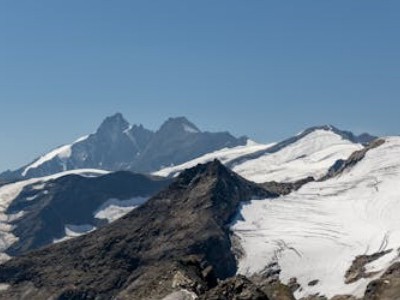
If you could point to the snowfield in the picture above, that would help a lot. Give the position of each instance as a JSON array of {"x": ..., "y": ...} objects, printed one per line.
[
  {"x": 225, "y": 155},
  {"x": 312, "y": 155},
  {"x": 316, "y": 232}
]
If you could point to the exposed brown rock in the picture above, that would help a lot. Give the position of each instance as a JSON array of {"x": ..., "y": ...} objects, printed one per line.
[
  {"x": 236, "y": 288},
  {"x": 285, "y": 188},
  {"x": 344, "y": 297},
  {"x": 387, "y": 287},
  {"x": 358, "y": 271}
]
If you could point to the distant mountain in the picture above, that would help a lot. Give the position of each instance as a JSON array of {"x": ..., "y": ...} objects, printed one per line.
[
  {"x": 308, "y": 154},
  {"x": 178, "y": 141},
  {"x": 117, "y": 145},
  {"x": 41, "y": 211}
]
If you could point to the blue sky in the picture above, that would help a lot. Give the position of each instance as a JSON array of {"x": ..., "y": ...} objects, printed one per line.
[{"x": 266, "y": 69}]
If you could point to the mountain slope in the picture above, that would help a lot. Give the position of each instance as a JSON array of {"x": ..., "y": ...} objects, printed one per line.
[
  {"x": 181, "y": 235},
  {"x": 333, "y": 236},
  {"x": 41, "y": 211},
  {"x": 225, "y": 155},
  {"x": 309, "y": 154},
  {"x": 117, "y": 145}
]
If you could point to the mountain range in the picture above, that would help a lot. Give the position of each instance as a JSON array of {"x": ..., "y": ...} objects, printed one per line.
[
  {"x": 118, "y": 145},
  {"x": 313, "y": 217}
]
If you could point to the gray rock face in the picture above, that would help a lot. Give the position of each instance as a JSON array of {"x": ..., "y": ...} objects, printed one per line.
[
  {"x": 113, "y": 147},
  {"x": 116, "y": 145},
  {"x": 178, "y": 141}
]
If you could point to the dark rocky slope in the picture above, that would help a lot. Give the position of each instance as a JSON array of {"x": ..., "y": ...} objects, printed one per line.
[
  {"x": 178, "y": 239},
  {"x": 71, "y": 200}
]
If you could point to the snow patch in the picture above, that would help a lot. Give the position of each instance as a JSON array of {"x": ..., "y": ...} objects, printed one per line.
[
  {"x": 31, "y": 198},
  {"x": 190, "y": 129},
  {"x": 126, "y": 131},
  {"x": 72, "y": 231},
  {"x": 114, "y": 209}
]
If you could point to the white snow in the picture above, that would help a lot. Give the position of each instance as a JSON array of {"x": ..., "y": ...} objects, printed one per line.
[
  {"x": 316, "y": 232},
  {"x": 4, "y": 287},
  {"x": 225, "y": 155},
  {"x": 114, "y": 209},
  {"x": 72, "y": 231},
  {"x": 63, "y": 153},
  {"x": 190, "y": 129},
  {"x": 9, "y": 192},
  {"x": 312, "y": 156},
  {"x": 126, "y": 131},
  {"x": 31, "y": 198}
]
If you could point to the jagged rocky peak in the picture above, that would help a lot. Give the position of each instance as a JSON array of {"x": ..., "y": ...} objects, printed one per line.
[
  {"x": 179, "y": 124},
  {"x": 114, "y": 123},
  {"x": 211, "y": 169}
]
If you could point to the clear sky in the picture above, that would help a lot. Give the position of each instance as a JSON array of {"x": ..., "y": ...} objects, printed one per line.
[{"x": 266, "y": 69}]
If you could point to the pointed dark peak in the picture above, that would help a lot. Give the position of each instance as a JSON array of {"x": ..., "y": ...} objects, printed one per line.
[
  {"x": 220, "y": 178},
  {"x": 211, "y": 169},
  {"x": 116, "y": 122},
  {"x": 179, "y": 124}
]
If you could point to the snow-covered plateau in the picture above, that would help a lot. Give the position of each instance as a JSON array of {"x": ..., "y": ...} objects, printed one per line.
[
  {"x": 315, "y": 233},
  {"x": 311, "y": 155}
]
